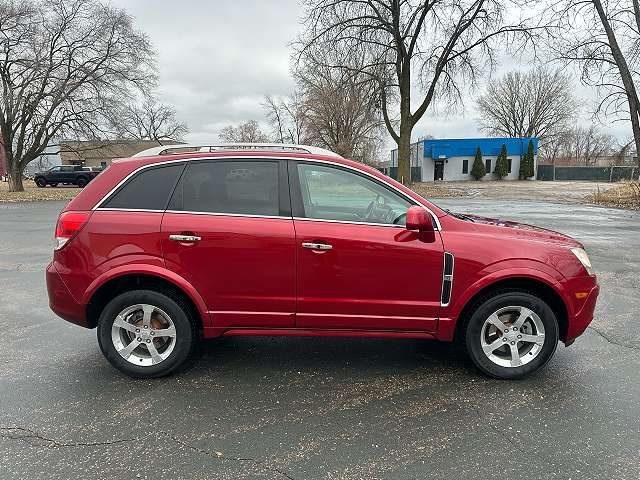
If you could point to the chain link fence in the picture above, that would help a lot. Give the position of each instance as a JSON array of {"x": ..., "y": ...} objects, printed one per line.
[{"x": 599, "y": 174}]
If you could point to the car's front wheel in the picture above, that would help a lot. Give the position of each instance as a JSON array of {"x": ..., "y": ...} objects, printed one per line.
[
  {"x": 146, "y": 334},
  {"x": 511, "y": 334},
  {"x": 41, "y": 182}
]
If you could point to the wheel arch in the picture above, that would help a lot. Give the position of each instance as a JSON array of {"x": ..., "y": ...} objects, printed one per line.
[
  {"x": 110, "y": 288},
  {"x": 536, "y": 286}
]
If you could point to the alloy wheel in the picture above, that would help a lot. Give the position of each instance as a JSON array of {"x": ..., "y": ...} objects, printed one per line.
[
  {"x": 512, "y": 336},
  {"x": 143, "y": 334}
]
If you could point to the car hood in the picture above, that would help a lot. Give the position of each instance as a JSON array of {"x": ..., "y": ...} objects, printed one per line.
[{"x": 522, "y": 231}]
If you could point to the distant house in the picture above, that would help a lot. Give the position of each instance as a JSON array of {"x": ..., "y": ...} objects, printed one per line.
[
  {"x": 100, "y": 153},
  {"x": 75, "y": 152},
  {"x": 452, "y": 159}
]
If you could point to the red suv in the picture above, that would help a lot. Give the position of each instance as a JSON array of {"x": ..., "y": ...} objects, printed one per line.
[{"x": 165, "y": 248}]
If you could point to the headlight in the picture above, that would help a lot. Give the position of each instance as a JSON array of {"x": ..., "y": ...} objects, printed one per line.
[{"x": 584, "y": 259}]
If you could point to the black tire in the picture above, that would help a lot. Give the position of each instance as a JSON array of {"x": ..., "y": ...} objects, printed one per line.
[
  {"x": 41, "y": 182},
  {"x": 484, "y": 308},
  {"x": 185, "y": 340},
  {"x": 82, "y": 182}
]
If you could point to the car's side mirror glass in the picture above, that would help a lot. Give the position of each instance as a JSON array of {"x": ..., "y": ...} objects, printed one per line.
[{"x": 419, "y": 219}]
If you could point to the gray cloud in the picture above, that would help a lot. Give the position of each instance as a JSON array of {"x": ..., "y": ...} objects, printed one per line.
[{"x": 218, "y": 58}]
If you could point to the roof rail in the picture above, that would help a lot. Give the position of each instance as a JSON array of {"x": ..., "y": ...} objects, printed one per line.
[{"x": 184, "y": 148}]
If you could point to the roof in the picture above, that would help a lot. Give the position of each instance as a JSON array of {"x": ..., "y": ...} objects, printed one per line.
[{"x": 466, "y": 147}]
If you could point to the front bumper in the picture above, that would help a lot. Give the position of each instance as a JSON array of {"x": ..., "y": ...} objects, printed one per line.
[
  {"x": 583, "y": 312},
  {"x": 62, "y": 302}
]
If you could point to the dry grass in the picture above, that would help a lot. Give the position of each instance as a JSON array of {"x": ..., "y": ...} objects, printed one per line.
[
  {"x": 625, "y": 195},
  {"x": 435, "y": 190},
  {"x": 34, "y": 194}
]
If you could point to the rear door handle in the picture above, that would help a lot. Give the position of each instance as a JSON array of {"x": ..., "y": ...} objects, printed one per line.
[
  {"x": 316, "y": 246},
  {"x": 184, "y": 238}
]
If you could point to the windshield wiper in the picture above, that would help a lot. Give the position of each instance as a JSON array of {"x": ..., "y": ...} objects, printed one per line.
[{"x": 461, "y": 216}]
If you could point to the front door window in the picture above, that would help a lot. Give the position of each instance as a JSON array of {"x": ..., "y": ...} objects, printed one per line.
[{"x": 330, "y": 193}]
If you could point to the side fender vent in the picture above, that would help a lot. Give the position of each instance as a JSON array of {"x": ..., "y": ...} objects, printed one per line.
[{"x": 447, "y": 279}]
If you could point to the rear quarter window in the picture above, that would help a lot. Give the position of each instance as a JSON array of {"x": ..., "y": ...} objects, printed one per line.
[{"x": 147, "y": 190}]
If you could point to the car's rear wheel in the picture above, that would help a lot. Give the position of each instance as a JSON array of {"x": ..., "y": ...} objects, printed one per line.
[
  {"x": 82, "y": 182},
  {"x": 511, "y": 334},
  {"x": 146, "y": 334},
  {"x": 41, "y": 182}
]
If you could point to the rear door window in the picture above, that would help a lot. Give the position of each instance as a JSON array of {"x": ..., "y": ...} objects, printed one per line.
[
  {"x": 147, "y": 190},
  {"x": 234, "y": 187}
]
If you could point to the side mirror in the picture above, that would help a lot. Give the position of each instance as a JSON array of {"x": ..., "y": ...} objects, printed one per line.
[{"x": 418, "y": 218}]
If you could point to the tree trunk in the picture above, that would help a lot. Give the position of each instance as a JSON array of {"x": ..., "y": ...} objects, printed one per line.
[
  {"x": 406, "y": 127},
  {"x": 404, "y": 155},
  {"x": 15, "y": 177},
  {"x": 625, "y": 75},
  {"x": 634, "y": 110}
]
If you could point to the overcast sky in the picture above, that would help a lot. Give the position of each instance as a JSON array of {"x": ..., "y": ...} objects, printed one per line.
[{"x": 218, "y": 58}]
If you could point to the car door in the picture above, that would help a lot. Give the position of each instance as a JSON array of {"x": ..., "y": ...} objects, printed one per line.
[
  {"x": 228, "y": 230},
  {"x": 358, "y": 267},
  {"x": 66, "y": 174},
  {"x": 54, "y": 174}
]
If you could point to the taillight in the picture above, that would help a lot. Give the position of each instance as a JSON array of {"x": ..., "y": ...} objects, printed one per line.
[{"x": 69, "y": 224}]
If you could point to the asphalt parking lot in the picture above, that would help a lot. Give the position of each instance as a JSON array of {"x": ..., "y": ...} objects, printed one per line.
[{"x": 323, "y": 408}]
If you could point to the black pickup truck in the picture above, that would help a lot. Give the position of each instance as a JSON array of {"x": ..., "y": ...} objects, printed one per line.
[{"x": 67, "y": 175}]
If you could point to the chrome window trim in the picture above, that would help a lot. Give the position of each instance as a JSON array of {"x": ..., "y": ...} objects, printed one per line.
[
  {"x": 437, "y": 224},
  {"x": 223, "y": 214},
  {"x": 247, "y": 215},
  {"x": 349, "y": 222},
  {"x": 147, "y": 210}
]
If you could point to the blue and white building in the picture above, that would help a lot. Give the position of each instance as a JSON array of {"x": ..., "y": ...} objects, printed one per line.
[{"x": 452, "y": 158}]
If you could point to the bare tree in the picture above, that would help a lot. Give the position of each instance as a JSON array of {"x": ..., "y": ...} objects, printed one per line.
[
  {"x": 247, "y": 132},
  {"x": 332, "y": 108},
  {"x": 288, "y": 118},
  {"x": 537, "y": 103},
  {"x": 150, "y": 120},
  {"x": 580, "y": 146},
  {"x": 64, "y": 64},
  {"x": 341, "y": 106},
  {"x": 603, "y": 38},
  {"x": 445, "y": 44}
]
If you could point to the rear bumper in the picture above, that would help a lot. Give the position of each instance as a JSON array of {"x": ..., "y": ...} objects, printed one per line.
[
  {"x": 62, "y": 302},
  {"x": 583, "y": 315}
]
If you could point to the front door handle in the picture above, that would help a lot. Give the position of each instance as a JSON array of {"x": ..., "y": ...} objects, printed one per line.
[
  {"x": 316, "y": 246},
  {"x": 185, "y": 238}
]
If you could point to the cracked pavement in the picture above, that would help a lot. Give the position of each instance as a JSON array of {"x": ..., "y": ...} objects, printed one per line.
[{"x": 321, "y": 408}]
